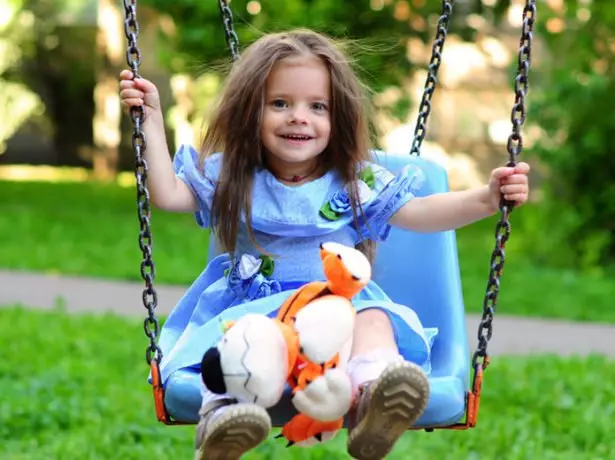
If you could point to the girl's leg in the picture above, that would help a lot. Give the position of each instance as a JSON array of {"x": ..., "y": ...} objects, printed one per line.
[
  {"x": 392, "y": 392},
  {"x": 227, "y": 429}
]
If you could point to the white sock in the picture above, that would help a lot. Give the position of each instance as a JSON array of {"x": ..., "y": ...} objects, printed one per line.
[
  {"x": 208, "y": 396},
  {"x": 369, "y": 366}
]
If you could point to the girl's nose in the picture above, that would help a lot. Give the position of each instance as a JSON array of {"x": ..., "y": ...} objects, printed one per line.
[{"x": 298, "y": 116}]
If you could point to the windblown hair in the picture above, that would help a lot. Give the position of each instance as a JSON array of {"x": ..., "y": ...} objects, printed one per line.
[{"x": 235, "y": 126}]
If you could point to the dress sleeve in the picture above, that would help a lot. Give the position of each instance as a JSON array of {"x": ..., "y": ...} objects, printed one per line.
[
  {"x": 391, "y": 193},
  {"x": 200, "y": 176}
]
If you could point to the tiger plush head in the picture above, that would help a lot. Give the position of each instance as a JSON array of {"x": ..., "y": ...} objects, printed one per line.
[{"x": 347, "y": 270}]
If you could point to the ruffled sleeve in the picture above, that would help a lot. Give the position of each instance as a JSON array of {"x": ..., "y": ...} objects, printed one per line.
[
  {"x": 200, "y": 178},
  {"x": 391, "y": 193}
]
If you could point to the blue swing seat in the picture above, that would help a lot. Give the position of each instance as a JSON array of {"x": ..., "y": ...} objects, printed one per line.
[{"x": 420, "y": 270}]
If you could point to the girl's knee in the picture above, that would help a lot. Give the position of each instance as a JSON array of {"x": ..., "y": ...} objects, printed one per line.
[
  {"x": 375, "y": 319},
  {"x": 373, "y": 329}
]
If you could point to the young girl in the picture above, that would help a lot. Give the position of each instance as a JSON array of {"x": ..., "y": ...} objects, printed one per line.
[{"x": 286, "y": 146}]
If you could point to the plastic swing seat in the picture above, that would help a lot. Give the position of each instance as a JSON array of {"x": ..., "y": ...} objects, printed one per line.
[{"x": 419, "y": 270}]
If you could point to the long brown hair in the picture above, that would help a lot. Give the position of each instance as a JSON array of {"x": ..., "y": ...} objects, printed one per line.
[{"x": 235, "y": 126}]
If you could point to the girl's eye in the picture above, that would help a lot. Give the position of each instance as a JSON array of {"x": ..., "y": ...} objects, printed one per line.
[
  {"x": 278, "y": 103},
  {"x": 319, "y": 106}
]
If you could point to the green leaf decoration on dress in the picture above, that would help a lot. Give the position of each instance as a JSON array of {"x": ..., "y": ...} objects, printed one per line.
[
  {"x": 328, "y": 213},
  {"x": 267, "y": 266},
  {"x": 367, "y": 176}
]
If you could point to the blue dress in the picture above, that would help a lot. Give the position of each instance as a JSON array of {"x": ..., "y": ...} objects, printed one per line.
[{"x": 289, "y": 222}]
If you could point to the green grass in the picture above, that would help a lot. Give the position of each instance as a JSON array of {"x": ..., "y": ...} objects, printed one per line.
[
  {"x": 73, "y": 387},
  {"x": 91, "y": 229}
]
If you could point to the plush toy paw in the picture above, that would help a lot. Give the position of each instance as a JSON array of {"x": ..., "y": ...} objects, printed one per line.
[
  {"x": 327, "y": 397},
  {"x": 303, "y": 431},
  {"x": 250, "y": 362},
  {"x": 324, "y": 326}
]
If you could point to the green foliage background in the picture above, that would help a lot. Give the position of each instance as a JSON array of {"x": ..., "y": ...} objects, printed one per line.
[{"x": 574, "y": 109}]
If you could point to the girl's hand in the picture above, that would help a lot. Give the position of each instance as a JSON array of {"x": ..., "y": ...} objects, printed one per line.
[
  {"x": 138, "y": 92},
  {"x": 511, "y": 182}
]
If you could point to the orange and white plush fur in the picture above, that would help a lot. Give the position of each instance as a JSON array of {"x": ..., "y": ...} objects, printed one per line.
[{"x": 306, "y": 346}]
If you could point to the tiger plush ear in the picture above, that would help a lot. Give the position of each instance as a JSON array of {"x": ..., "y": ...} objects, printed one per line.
[
  {"x": 226, "y": 325},
  {"x": 211, "y": 371},
  {"x": 211, "y": 366}
]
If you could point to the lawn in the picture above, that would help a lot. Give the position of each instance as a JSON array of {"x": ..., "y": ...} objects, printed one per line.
[
  {"x": 73, "y": 387},
  {"x": 91, "y": 229}
]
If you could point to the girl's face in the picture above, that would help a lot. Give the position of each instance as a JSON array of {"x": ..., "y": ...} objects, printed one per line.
[{"x": 296, "y": 123}]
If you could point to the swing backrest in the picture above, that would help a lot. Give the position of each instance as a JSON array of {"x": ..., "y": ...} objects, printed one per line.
[
  {"x": 422, "y": 271},
  {"x": 417, "y": 270}
]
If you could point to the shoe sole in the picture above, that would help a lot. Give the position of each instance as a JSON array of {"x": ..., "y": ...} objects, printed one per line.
[
  {"x": 399, "y": 398},
  {"x": 239, "y": 429}
]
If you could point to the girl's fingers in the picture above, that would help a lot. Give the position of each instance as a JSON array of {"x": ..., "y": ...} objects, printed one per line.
[
  {"x": 126, "y": 75},
  {"x": 513, "y": 189},
  {"x": 145, "y": 85},
  {"x": 516, "y": 197},
  {"x": 500, "y": 173},
  {"x": 131, "y": 94},
  {"x": 125, "y": 84},
  {"x": 522, "y": 168},
  {"x": 515, "y": 179},
  {"x": 132, "y": 102}
]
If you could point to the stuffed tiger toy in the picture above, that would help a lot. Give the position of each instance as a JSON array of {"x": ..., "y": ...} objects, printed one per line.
[{"x": 302, "y": 347}]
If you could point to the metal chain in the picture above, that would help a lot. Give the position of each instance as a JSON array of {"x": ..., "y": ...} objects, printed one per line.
[
  {"x": 150, "y": 298},
  {"x": 430, "y": 85},
  {"x": 514, "y": 147},
  {"x": 229, "y": 30}
]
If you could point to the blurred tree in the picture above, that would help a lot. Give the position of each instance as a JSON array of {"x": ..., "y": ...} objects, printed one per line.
[
  {"x": 18, "y": 102},
  {"x": 575, "y": 223},
  {"x": 198, "y": 37},
  {"x": 55, "y": 63},
  {"x": 106, "y": 122},
  {"x": 376, "y": 32},
  {"x": 71, "y": 53}
]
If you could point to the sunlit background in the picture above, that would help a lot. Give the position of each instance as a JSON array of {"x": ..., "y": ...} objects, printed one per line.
[
  {"x": 60, "y": 60},
  {"x": 74, "y": 384},
  {"x": 59, "y": 63}
]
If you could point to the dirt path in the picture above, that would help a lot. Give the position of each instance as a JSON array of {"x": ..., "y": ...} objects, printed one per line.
[{"x": 512, "y": 335}]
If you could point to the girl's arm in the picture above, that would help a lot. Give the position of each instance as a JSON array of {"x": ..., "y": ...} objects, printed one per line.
[
  {"x": 444, "y": 211},
  {"x": 452, "y": 210},
  {"x": 167, "y": 191}
]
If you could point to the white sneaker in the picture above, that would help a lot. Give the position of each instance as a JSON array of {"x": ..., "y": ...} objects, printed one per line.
[
  {"x": 227, "y": 429},
  {"x": 385, "y": 409}
]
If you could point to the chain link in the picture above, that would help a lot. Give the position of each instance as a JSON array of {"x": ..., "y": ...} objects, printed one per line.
[
  {"x": 514, "y": 147},
  {"x": 151, "y": 324},
  {"x": 432, "y": 72},
  {"x": 229, "y": 30}
]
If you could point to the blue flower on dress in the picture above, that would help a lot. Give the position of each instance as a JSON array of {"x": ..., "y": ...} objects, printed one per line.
[
  {"x": 262, "y": 287},
  {"x": 340, "y": 201},
  {"x": 249, "y": 278}
]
